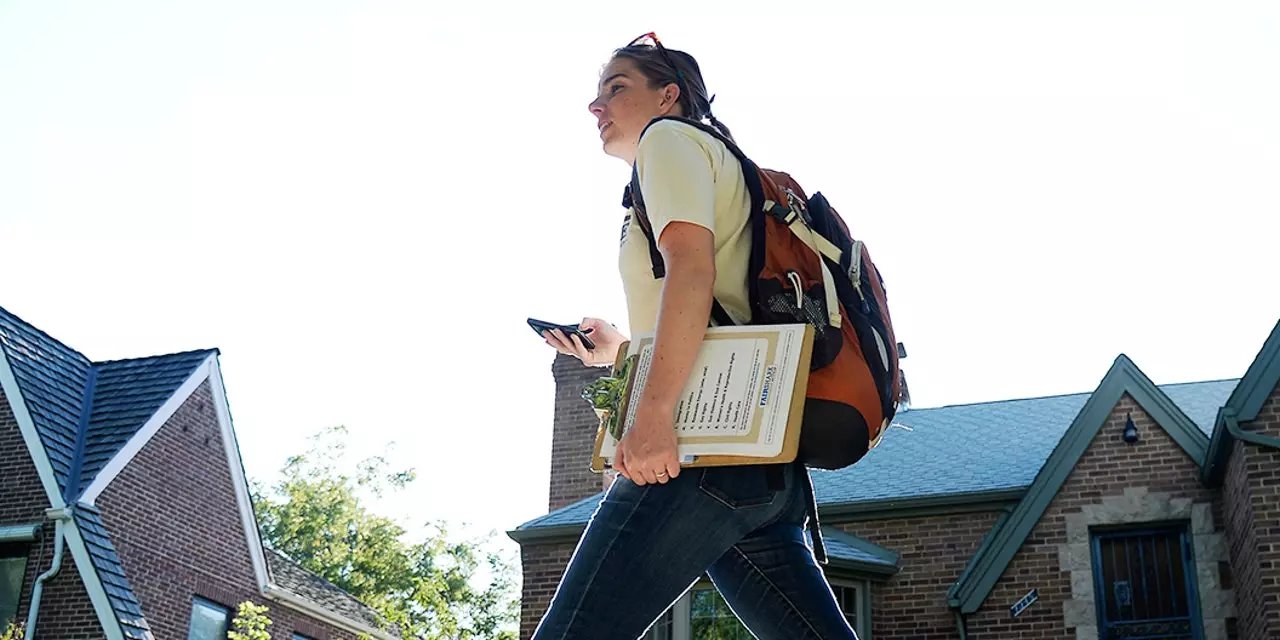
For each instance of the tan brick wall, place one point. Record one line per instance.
(1095, 491)
(174, 520)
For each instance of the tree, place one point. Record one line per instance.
(425, 585)
(250, 623)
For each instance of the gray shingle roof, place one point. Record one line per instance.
(289, 575)
(110, 570)
(956, 449)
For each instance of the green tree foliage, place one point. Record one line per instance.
(250, 623)
(424, 584)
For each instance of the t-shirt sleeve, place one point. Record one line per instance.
(676, 178)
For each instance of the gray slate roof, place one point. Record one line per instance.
(956, 449)
(126, 394)
(107, 564)
(291, 576)
(86, 411)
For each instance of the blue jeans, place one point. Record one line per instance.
(646, 546)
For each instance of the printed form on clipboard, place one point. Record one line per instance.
(743, 401)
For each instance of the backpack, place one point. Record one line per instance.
(806, 267)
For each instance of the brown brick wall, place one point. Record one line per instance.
(541, 565)
(934, 551)
(65, 610)
(174, 520)
(1107, 467)
(573, 434)
(1251, 491)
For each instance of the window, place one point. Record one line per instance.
(852, 598)
(1143, 581)
(13, 569)
(208, 621)
(703, 615)
(711, 618)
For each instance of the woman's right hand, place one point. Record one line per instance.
(606, 338)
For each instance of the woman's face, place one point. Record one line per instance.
(624, 106)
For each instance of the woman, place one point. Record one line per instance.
(659, 528)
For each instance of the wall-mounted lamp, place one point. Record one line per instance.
(1130, 431)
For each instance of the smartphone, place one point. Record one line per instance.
(568, 329)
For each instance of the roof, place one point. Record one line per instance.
(102, 554)
(852, 552)
(126, 394)
(84, 420)
(311, 587)
(1259, 381)
(945, 451)
(86, 411)
(997, 550)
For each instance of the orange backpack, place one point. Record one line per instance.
(806, 267)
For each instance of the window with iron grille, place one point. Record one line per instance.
(1144, 584)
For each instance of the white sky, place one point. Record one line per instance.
(361, 202)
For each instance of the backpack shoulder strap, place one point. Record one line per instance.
(755, 179)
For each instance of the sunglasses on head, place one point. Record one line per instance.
(661, 50)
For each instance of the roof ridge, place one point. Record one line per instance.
(1056, 396)
(72, 490)
(189, 352)
(41, 332)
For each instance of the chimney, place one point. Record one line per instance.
(573, 434)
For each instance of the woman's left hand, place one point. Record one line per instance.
(647, 453)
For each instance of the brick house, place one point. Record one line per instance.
(125, 511)
(1135, 510)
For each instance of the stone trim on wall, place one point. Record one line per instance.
(1137, 506)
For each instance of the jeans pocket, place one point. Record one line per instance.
(737, 487)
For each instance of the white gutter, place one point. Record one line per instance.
(294, 601)
(60, 517)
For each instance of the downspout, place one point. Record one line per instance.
(961, 625)
(60, 518)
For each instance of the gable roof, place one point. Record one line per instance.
(83, 411)
(1259, 381)
(987, 565)
(943, 455)
(125, 395)
(83, 421)
(292, 576)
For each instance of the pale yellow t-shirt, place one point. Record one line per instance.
(689, 176)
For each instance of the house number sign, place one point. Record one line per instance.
(1021, 605)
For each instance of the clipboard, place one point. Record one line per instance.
(791, 437)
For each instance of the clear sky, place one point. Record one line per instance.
(360, 203)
